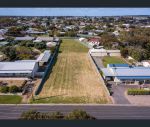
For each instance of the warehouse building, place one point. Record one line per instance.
(126, 74)
(18, 69)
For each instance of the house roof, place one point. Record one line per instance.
(45, 38)
(127, 72)
(44, 56)
(24, 38)
(118, 65)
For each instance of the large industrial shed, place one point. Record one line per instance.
(123, 73)
(18, 69)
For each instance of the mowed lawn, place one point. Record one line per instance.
(10, 99)
(73, 79)
(112, 60)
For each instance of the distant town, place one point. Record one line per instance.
(75, 60)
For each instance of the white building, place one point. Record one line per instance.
(126, 74)
(44, 57)
(146, 63)
(18, 69)
(104, 52)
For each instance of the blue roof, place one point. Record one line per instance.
(118, 65)
(133, 77)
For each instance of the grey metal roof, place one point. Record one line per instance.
(107, 72)
(24, 38)
(44, 57)
(127, 72)
(132, 72)
(17, 66)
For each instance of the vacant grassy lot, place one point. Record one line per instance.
(10, 99)
(73, 80)
(111, 60)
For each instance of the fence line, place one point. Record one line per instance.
(98, 73)
(47, 71)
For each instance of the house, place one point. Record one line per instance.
(103, 52)
(2, 38)
(94, 41)
(81, 39)
(146, 63)
(47, 39)
(30, 31)
(126, 74)
(27, 38)
(116, 33)
(3, 43)
(51, 44)
(44, 57)
(18, 69)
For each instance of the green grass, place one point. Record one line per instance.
(72, 46)
(10, 99)
(66, 100)
(72, 79)
(112, 60)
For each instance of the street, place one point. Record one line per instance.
(98, 111)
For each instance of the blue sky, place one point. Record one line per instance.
(73, 11)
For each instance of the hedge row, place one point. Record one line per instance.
(74, 115)
(11, 89)
(136, 91)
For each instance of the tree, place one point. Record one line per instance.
(124, 52)
(4, 89)
(14, 31)
(57, 115)
(13, 89)
(75, 115)
(10, 52)
(40, 45)
(30, 115)
(78, 115)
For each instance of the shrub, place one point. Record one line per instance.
(75, 115)
(13, 89)
(30, 115)
(134, 91)
(4, 89)
(57, 115)
(78, 115)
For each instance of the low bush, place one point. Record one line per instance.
(4, 89)
(74, 115)
(136, 91)
(14, 89)
(78, 115)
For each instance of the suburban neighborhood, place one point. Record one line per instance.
(79, 60)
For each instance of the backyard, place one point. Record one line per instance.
(72, 80)
(112, 60)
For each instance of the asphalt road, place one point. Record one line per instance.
(119, 94)
(99, 111)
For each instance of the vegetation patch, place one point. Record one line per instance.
(65, 100)
(112, 60)
(74, 115)
(72, 78)
(135, 91)
(10, 99)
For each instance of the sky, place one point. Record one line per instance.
(73, 11)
